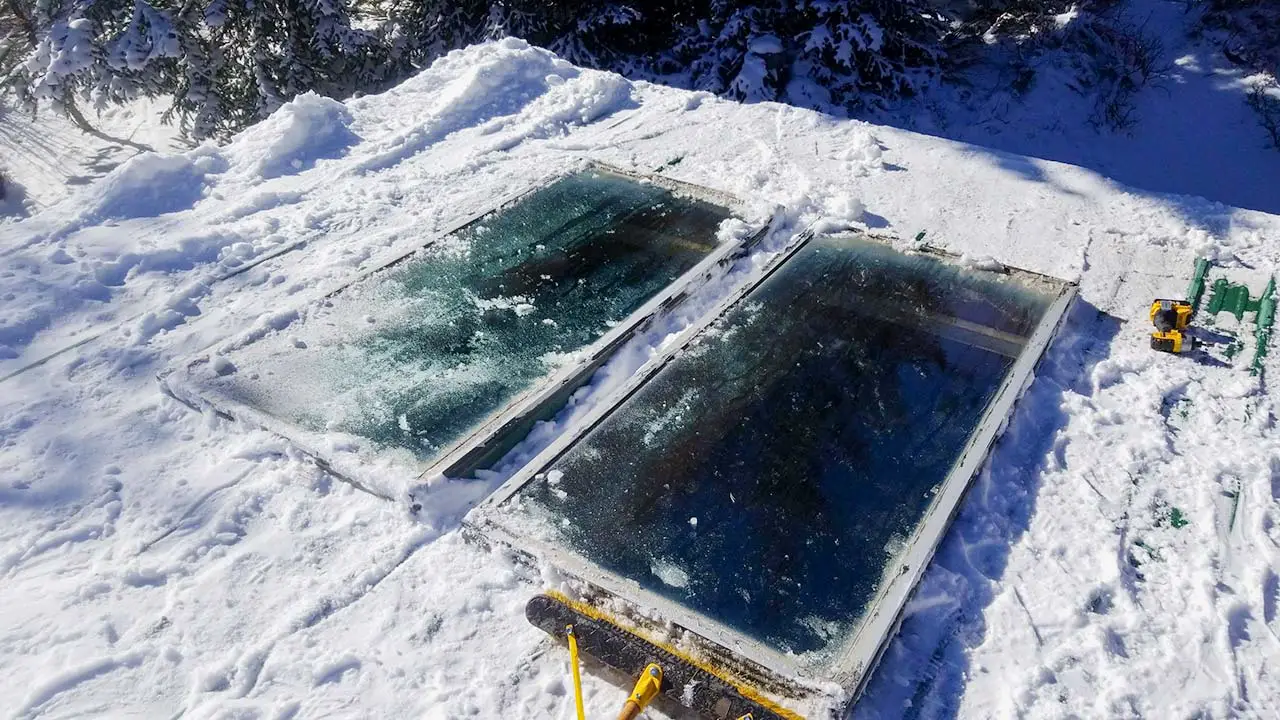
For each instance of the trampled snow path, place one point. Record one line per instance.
(159, 563)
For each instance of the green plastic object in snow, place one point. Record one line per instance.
(1265, 319)
(1219, 296)
(1232, 298)
(1196, 289)
(1239, 301)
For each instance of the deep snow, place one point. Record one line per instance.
(1191, 130)
(157, 562)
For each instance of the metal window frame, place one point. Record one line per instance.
(482, 443)
(805, 685)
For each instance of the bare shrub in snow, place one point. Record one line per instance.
(1248, 30)
(1119, 60)
(1111, 59)
(1018, 20)
(1264, 98)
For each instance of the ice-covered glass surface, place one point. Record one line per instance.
(418, 355)
(770, 473)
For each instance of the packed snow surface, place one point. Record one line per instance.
(155, 562)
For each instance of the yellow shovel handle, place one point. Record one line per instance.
(647, 688)
(630, 711)
(577, 676)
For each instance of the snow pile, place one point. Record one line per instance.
(158, 562)
(508, 89)
(308, 129)
(146, 186)
(864, 154)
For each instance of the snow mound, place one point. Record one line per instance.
(508, 88)
(864, 154)
(148, 185)
(580, 101)
(301, 132)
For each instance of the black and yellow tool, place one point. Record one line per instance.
(646, 690)
(647, 687)
(661, 669)
(1170, 318)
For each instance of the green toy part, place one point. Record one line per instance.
(1196, 289)
(1265, 319)
(1226, 296)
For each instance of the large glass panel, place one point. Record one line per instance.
(418, 355)
(770, 473)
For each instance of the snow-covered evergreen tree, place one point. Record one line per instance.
(883, 47)
(630, 38)
(13, 43)
(418, 31)
(728, 51)
(227, 63)
(111, 51)
(823, 52)
(263, 53)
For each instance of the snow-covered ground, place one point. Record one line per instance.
(159, 563)
(45, 157)
(1191, 131)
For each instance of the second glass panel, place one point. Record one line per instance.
(770, 473)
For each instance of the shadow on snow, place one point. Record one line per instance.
(924, 671)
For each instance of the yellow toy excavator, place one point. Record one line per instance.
(1170, 318)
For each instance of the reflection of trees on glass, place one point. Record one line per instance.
(806, 435)
(614, 243)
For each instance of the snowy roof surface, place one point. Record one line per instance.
(156, 561)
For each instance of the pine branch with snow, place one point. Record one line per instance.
(229, 63)
(225, 63)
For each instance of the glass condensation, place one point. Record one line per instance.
(418, 355)
(770, 473)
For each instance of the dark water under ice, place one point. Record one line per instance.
(768, 475)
